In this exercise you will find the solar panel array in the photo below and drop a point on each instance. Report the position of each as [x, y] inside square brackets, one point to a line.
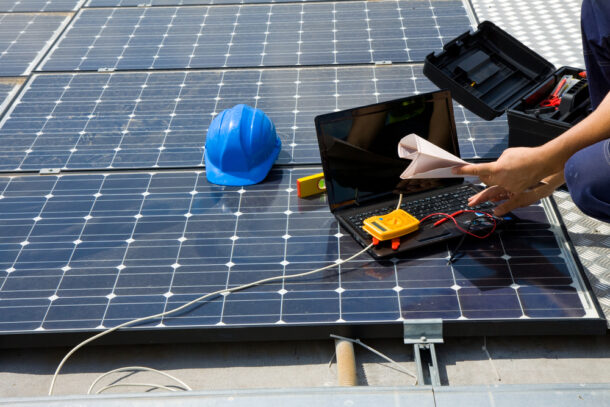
[132, 85]
[24, 38]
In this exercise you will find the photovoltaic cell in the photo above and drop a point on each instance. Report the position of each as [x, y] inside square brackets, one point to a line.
[15, 6]
[83, 252]
[24, 38]
[159, 119]
[322, 33]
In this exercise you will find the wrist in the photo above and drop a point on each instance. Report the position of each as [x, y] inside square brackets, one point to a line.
[552, 157]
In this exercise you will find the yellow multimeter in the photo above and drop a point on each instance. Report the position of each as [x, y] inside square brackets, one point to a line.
[390, 226]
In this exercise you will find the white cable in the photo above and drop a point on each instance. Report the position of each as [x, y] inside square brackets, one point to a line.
[402, 369]
[188, 304]
[399, 202]
[135, 368]
[493, 365]
[153, 385]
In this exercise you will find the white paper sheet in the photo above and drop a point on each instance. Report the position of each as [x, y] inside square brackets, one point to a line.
[427, 159]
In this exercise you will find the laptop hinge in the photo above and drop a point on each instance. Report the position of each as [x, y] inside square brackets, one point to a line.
[423, 334]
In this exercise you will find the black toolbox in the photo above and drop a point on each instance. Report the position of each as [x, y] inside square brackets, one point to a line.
[488, 71]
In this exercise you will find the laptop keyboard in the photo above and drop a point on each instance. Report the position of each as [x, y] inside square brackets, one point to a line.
[448, 202]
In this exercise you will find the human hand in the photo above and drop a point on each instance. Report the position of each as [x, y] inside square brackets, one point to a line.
[497, 193]
[516, 170]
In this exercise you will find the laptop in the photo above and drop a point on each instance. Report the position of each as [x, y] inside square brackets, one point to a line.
[359, 151]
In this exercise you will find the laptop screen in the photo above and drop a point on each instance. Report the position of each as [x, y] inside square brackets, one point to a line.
[359, 147]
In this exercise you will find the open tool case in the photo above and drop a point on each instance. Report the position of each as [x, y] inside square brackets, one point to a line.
[488, 71]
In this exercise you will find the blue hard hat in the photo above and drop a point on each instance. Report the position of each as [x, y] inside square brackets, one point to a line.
[240, 147]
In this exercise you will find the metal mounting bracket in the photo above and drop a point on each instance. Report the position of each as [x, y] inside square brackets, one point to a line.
[49, 171]
[423, 334]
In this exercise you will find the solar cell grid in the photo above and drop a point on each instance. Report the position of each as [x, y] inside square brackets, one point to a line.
[315, 33]
[86, 251]
[19, 6]
[24, 38]
[159, 119]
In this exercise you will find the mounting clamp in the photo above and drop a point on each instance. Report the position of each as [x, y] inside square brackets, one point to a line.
[423, 334]
[49, 171]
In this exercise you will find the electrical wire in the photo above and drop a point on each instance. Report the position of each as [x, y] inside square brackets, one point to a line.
[135, 368]
[150, 385]
[399, 201]
[376, 352]
[469, 233]
[190, 303]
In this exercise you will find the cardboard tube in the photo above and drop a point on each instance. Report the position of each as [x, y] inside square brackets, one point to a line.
[346, 363]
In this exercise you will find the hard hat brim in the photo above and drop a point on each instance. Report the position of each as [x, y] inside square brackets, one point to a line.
[253, 176]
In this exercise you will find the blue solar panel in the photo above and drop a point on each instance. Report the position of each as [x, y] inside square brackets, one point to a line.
[82, 252]
[322, 33]
[15, 6]
[159, 119]
[24, 38]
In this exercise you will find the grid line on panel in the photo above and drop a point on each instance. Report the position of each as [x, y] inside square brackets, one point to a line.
[120, 267]
[42, 128]
[168, 130]
[285, 262]
[300, 36]
[455, 285]
[293, 143]
[67, 267]
[181, 241]
[230, 44]
[514, 284]
[402, 28]
[126, 130]
[26, 242]
[96, 38]
[89, 117]
[230, 264]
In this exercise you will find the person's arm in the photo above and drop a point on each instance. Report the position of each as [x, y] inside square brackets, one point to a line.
[521, 168]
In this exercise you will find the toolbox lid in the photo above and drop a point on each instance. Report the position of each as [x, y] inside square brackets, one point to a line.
[487, 70]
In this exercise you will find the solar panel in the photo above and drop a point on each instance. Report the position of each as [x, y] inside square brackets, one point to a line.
[83, 252]
[19, 6]
[437, 4]
[159, 119]
[153, 3]
[320, 33]
[24, 38]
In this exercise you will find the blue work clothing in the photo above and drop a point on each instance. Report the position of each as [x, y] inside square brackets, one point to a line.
[587, 172]
[595, 26]
[588, 177]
